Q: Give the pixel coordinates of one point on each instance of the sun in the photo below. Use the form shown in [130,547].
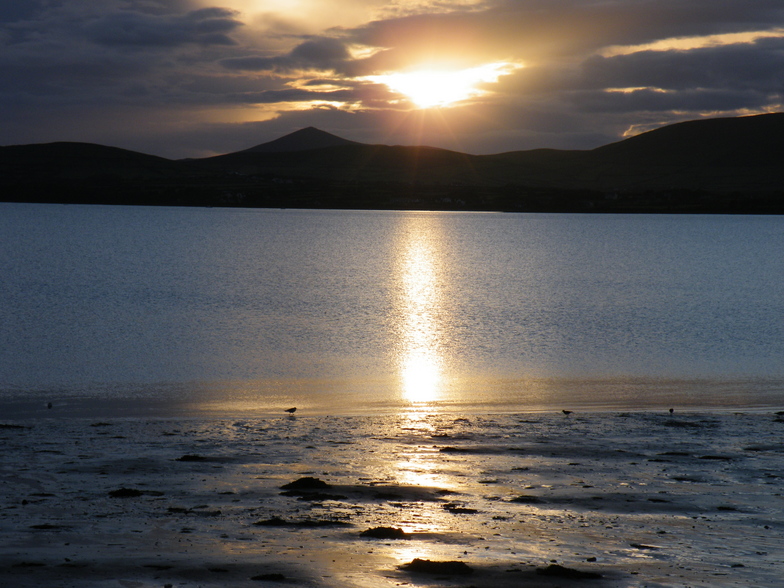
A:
[432,88]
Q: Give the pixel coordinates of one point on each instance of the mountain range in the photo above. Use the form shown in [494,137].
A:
[706,165]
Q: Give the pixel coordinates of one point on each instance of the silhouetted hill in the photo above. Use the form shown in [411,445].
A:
[711,165]
[355,162]
[719,155]
[79,161]
[302,140]
[745,141]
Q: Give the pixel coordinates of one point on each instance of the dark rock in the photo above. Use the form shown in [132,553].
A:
[48,527]
[527,499]
[269,578]
[384,533]
[272,522]
[556,571]
[455,508]
[308,483]
[446,568]
[205,513]
[450,449]
[133,493]
[191,457]
[126,493]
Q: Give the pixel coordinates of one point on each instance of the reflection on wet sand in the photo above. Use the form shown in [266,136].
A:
[643,499]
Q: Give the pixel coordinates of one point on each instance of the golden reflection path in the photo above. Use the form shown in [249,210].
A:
[419,307]
[420,350]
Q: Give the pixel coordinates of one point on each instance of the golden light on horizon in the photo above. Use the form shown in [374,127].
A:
[432,87]
[695,42]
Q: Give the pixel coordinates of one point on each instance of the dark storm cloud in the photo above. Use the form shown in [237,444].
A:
[209,26]
[84,50]
[326,54]
[15,10]
[356,93]
[756,66]
[691,100]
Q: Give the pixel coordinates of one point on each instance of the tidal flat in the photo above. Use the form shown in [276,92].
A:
[533,499]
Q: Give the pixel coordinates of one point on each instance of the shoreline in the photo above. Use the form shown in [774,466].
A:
[325,397]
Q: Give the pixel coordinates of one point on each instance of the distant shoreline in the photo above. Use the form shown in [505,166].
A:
[643,203]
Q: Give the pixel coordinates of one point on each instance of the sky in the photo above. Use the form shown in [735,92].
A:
[193,78]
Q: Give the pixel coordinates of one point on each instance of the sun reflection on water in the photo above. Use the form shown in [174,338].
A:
[421,366]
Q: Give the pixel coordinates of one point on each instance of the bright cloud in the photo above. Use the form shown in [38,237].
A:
[430,87]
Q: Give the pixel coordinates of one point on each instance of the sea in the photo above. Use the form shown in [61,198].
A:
[161,310]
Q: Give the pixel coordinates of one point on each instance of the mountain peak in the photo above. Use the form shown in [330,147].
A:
[301,140]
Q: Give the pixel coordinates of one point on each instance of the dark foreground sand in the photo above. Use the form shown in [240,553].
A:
[641,499]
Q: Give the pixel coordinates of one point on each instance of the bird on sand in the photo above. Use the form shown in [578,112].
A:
[672,410]
[567,412]
[291,410]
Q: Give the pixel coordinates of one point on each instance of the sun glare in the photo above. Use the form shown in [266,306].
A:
[421,365]
[430,88]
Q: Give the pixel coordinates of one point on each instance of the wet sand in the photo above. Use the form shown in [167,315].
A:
[540,499]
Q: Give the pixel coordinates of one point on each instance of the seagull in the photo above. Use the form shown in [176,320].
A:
[291,410]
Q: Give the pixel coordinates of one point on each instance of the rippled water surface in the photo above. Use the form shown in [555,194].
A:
[234,309]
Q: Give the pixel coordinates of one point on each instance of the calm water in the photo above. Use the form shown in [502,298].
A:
[256,309]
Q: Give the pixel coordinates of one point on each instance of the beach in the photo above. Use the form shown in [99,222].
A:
[527,499]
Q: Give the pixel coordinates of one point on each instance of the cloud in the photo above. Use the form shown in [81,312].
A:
[324,53]
[209,26]
[757,66]
[129,69]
